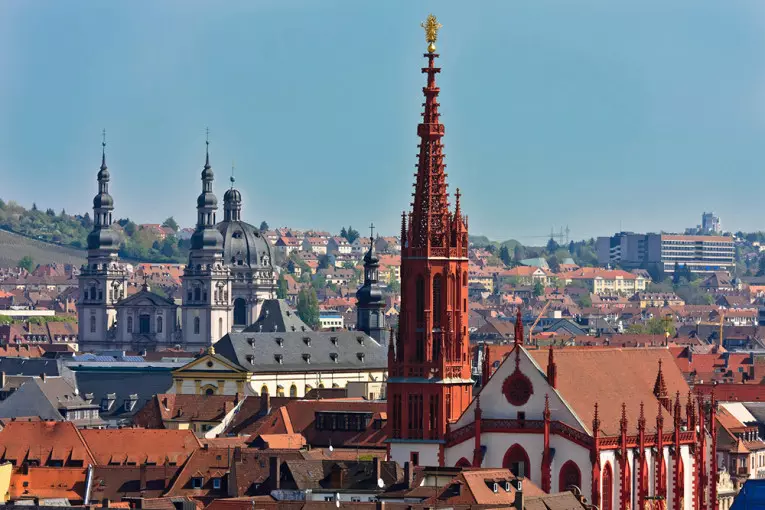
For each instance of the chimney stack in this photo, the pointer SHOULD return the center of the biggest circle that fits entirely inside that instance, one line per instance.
(265, 403)
(408, 474)
(275, 472)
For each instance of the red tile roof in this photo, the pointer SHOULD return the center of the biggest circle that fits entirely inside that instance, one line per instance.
(44, 441)
(611, 377)
(48, 483)
(140, 446)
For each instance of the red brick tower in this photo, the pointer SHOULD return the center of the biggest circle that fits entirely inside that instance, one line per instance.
(430, 381)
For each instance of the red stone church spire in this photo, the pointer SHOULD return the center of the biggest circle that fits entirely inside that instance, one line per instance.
(433, 344)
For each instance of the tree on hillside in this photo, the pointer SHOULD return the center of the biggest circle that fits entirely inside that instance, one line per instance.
(50, 212)
(539, 289)
(676, 274)
(263, 226)
(352, 234)
(308, 307)
(130, 228)
(519, 253)
(504, 255)
(323, 261)
(27, 263)
(281, 287)
(171, 224)
(343, 233)
(2, 204)
(63, 213)
(34, 206)
(552, 246)
(761, 267)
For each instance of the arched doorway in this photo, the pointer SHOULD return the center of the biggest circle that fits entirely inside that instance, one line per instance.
(570, 475)
(240, 312)
(608, 488)
(517, 460)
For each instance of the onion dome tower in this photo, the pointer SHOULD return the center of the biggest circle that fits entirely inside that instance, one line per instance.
(248, 256)
(370, 305)
(206, 286)
(103, 281)
(429, 379)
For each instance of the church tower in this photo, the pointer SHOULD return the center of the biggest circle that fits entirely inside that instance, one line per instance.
(206, 284)
(370, 304)
(103, 281)
(430, 382)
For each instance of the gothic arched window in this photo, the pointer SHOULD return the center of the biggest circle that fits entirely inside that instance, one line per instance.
(608, 488)
(517, 460)
(420, 298)
(293, 391)
(569, 475)
(92, 323)
(437, 301)
(196, 325)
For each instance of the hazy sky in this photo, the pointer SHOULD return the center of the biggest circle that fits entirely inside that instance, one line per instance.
(592, 114)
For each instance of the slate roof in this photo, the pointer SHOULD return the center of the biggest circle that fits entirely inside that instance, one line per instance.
(27, 366)
(277, 316)
(145, 294)
(310, 350)
(29, 400)
(121, 384)
(357, 476)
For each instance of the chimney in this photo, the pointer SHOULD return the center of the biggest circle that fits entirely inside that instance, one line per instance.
(408, 474)
(275, 472)
(377, 468)
(265, 403)
(142, 474)
(518, 503)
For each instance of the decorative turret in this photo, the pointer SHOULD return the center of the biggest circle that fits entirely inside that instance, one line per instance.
(518, 328)
(206, 238)
(232, 201)
(660, 389)
(552, 368)
(102, 237)
(369, 297)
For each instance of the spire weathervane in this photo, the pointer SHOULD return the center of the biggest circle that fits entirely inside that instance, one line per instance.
(233, 166)
(103, 148)
(431, 26)
(371, 231)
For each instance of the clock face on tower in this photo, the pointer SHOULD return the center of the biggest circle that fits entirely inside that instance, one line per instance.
(517, 388)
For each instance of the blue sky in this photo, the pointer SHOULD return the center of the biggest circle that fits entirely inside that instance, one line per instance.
(591, 114)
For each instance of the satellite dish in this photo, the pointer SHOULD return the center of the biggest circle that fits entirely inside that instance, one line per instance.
(380, 483)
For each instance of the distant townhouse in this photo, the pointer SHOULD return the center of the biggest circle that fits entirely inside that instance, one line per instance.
(338, 245)
(360, 246)
(330, 319)
(605, 281)
(391, 263)
(481, 278)
(287, 245)
(657, 299)
(154, 229)
(387, 245)
(524, 275)
(317, 245)
(337, 276)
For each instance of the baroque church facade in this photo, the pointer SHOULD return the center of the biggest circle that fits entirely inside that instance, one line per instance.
(229, 275)
(607, 423)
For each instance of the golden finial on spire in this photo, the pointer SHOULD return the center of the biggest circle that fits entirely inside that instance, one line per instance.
(431, 26)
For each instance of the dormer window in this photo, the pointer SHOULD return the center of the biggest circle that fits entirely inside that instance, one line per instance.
(237, 234)
(333, 356)
(279, 358)
(280, 341)
(360, 355)
(360, 340)
(307, 340)
(495, 487)
(197, 482)
(251, 341)
(307, 358)
(333, 340)
(250, 358)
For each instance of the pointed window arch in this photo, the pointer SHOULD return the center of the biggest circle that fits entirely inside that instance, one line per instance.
(608, 488)
(420, 298)
(517, 460)
(569, 475)
(196, 325)
(293, 390)
(438, 302)
(263, 390)
(463, 463)
(159, 324)
(92, 323)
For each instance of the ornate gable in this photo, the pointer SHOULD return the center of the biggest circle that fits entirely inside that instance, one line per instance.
(209, 363)
(520, 385)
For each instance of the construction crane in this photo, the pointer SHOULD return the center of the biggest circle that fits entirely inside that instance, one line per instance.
(531, 329)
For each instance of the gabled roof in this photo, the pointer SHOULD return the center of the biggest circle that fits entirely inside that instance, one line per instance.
(146, 295)
(118, 482)
(276, 316)
(587, 376)
(140, 446)
(29, 400)
(187, 408)
(49, 483)
(43, 441)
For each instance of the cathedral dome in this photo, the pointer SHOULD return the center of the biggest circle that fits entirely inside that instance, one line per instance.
(207, 200)
(244, 245)
(232, 195)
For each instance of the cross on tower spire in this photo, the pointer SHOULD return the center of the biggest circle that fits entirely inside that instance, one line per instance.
(103, 148)
(233, 166)
(372, 231)
(207, 147)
